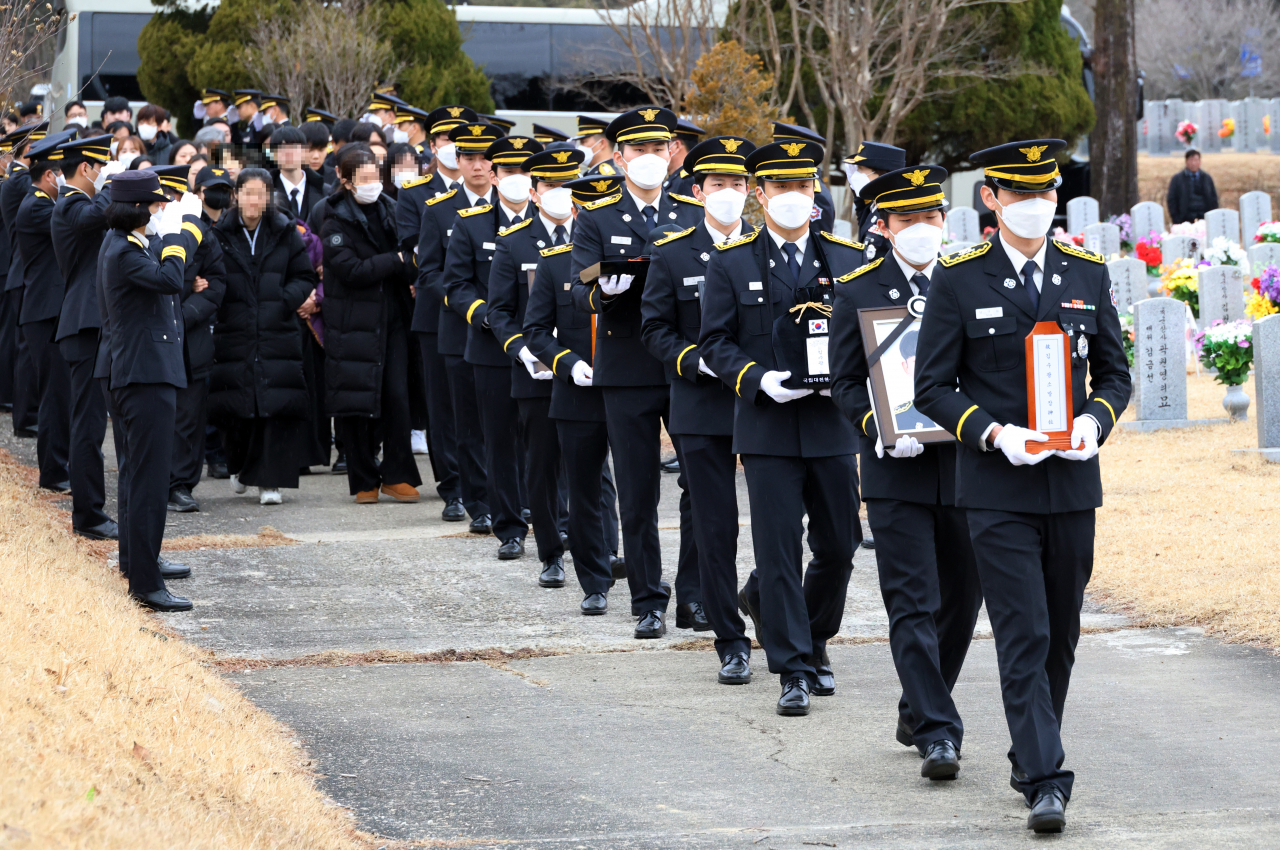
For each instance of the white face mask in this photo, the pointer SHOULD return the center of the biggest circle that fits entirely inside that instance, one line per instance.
(368, 193)
(919, 243)
(586, 152)
(79, 121)
(790, 209)
(725, 205)
(647, 170)
(556, 203)
(448, 156)
(154, 224)
(1029, 219)
(146, 132)
(126, 158)
(114, 145)
(515, 187)
(62, 181)
(857, 180)
(402, 177)
(399, 136)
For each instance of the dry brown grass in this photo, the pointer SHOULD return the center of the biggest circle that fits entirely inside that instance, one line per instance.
(114, 734)
(1187, 535)
(1233, 174)
(265, 538)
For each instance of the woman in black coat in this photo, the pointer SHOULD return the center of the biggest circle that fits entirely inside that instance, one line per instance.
(257, 391)
(367, 307)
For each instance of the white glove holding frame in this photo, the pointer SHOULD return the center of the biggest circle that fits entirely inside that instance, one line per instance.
(1084, 433)
(771, 383)
(1013, 439)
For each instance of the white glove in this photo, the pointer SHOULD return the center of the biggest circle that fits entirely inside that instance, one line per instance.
(189, 204)
(1012, 440)
(1084, 432)
(582, 374)
(705, 369)
(105, 173)
(907, 446)
(170, 219)
(771, 383)
(530, 365)
(825, 393)
(616, 284)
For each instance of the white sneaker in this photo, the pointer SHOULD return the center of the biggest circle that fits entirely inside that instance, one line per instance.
(238, 488)
(269, 497)
(419, 442)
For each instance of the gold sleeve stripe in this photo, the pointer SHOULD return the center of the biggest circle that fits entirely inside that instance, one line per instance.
(557, 360)
(472, 308)
(508, 342)
(963, 418)
(737, 387)
(864, 423)
(195, 231)
(1109, 407)
(681, 356)
(593, 293)
(174, 251)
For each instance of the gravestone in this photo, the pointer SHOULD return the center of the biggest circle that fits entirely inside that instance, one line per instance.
(1255, 108)
(1179, 248)
(1161, 377)
(1128, 282)
(1102, 238)
(1081, 212)
(1221, 294)
(1266, 380)
(962, 224)
(1255, 209)
(1263, 254)
(1274, 135)
(1241, 139)
(1207, 139)
(1148, 217)
(1221, 222)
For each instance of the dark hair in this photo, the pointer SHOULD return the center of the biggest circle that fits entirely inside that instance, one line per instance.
(125, 216)
(351, 157)
(342, 130)
(116, 125)
(283, 106)
(287, 135)
(908, 343)
(198, 156)
(13, 118)
(66, 109)
(398, 149)
(1190, 153)
(117, 104)
(41, 166)
(142, 160)
(179, 145)
(366, 131)
(153, 113)
(689, 139)
(316, 134)
(253, 174)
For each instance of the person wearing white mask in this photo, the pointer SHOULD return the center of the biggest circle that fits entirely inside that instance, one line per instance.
(928, 578)
(76, 114)
(701, 424)
(411, 128)
(382, 107)
(868, 162)
(824, 206)
(443, 150)
(796, 448)
(636, 397)
(469, 267)
(1032, 529)
(596, 146)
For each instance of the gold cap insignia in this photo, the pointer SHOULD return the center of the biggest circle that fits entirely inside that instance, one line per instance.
(600, 185)
(917, 177)
(454, 111)
(476, 129)
(648, 114)
(731, 145)
(561, 156)
(1033, 152)
(517, 143)
(218, 172)
(794, 148)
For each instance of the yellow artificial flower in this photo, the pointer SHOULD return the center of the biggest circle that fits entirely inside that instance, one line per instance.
(1258, 306)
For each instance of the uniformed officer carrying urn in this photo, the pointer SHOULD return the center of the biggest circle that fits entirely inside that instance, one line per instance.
(1030, 515)
(925, 560)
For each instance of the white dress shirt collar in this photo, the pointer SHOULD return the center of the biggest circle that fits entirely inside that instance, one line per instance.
(1018, 260)
(475, 200)
(718, 237)
(910, 272)
(801, 243)
(551, 227)
(301, 186)
(640, 204)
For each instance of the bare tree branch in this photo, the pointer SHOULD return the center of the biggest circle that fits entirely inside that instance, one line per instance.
(27, 28)
(1198, 57)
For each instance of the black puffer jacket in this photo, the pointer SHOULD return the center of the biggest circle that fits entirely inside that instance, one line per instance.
(364, 278)
(257, 341)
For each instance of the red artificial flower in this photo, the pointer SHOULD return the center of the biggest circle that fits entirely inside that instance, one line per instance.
(1256, 283)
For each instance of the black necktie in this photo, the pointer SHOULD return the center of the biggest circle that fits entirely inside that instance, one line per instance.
(293, 199)
(560, 236)
(793, 259)
(1029, 281)
(650, 216)
(921, 281)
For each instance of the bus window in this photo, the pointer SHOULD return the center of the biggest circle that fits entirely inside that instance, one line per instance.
(109, 50)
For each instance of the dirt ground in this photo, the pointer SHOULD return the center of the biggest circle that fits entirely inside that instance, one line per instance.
(1233, 174)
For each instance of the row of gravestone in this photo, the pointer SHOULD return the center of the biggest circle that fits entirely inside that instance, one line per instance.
(1222, 288)
(1157, 130)
(1148, 217)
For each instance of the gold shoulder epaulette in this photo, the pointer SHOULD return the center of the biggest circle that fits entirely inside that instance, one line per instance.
(40, 194)
(137, 240)
(1082, 253)
(470, 211)
(606, 169)
(603, 202)
(955, 259)
(684, 199)
(444, 197)
(860, 270)
(556, 249)
(840, 240)
(421, 181)
(513, 228)
(674, 236)
(741, 240)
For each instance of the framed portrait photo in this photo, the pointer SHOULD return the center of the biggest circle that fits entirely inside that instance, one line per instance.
(893, 375)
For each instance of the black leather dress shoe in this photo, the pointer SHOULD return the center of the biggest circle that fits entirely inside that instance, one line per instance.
(826, 684)
(552, 573)
(453, 511)
(25, 432)
(218, 470)
(904, 734)
(653, 624)
(595, 603)
(526, 515)
(1048, 810)
(482, 524)
(340, 465)
(511, 549)
(744, 605)
(672, 466)
(735, 669)
(692, 616)
(1018, 782)
(868, 542)
(162, 600)
(108, 530)
(794, 701)
(172, 569)
(941, 761)
(182, 502)
(617, 567)
(60, 487)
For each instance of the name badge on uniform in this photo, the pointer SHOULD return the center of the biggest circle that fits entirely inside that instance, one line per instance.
(693, 281)
(988, 312)
(488, 246)
(755, 284)
(449, 232)
(568, 286)
(528, 267)
(619, 240)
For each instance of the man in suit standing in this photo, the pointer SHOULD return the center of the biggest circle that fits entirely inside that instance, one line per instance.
(297, 186)
(1192, 193)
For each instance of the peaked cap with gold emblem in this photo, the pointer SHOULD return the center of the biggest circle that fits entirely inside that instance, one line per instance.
(650, 124)
(797, 160)
(1022, 166)
(589, 125)
(878, 157)
(554, 165)
(593, 188)
(719, 155)
(917, 188)
(547, 135)
(445, 118)
(475, 136)
(511, 151)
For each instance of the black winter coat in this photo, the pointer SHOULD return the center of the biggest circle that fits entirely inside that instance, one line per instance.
(363, 277)
(257, 341)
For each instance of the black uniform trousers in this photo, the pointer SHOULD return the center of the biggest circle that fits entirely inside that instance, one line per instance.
(442, 439)
(800, 609)
(585, 449)
(473, 483)
(26, 403)
(53, 389)
(499, 417)
(633, 415)
(542, 470)
(929, 583)
(8, 346)
(361, 434)
(88, 430)
(1034, 568)
(710, 467)
(144, 413)
(188, 436)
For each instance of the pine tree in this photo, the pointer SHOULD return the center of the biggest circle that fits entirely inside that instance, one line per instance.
(424, 35)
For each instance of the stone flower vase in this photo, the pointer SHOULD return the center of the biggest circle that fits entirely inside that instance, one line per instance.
(1236, 403)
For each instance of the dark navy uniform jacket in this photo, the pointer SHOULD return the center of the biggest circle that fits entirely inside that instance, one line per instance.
(433, 243)
(559, 334)
(973, 337)
(13, 192)
(45, 287)
(613, 228)
(738, 313)
(466, 277)
(927, 478)
(518, 254)
(78, 227)
(411, 203)
(671, 310)
(826, 206)
(200, 309)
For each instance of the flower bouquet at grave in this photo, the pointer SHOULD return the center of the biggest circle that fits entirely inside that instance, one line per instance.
(1224, 252)
(1062, 235)
(1268, 231)
(1229, 349)
(1181, 280)
(1194, 229)
(1148, 250)
(1125, 223)
(1186, 132)
(1228, 128)
(1126, 336)
(1265, 298)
